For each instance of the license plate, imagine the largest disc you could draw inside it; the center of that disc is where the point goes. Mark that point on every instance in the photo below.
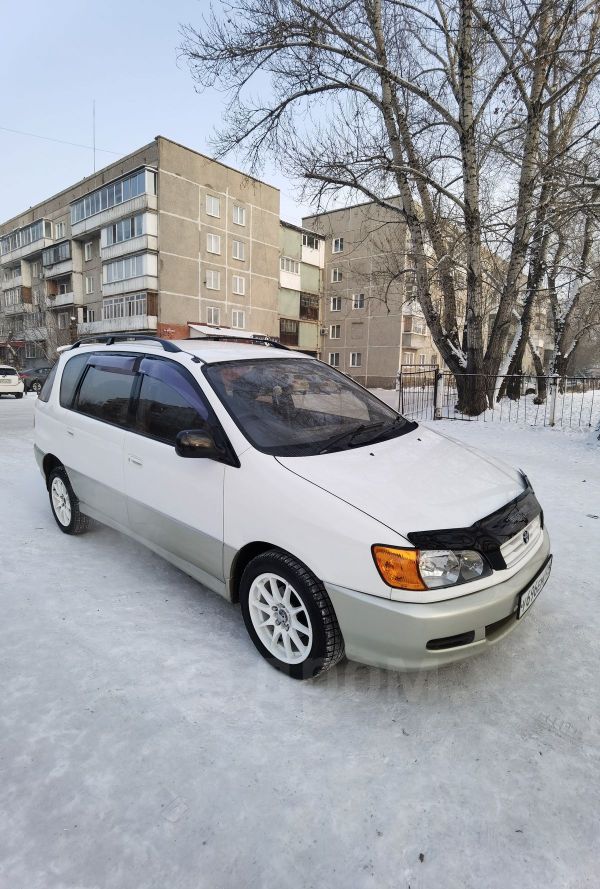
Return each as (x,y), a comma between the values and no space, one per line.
(528,596)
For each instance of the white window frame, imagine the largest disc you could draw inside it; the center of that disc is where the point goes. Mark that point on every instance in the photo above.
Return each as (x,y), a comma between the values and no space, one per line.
(337,245)
(335,304)
(334,359)
(238,250)
(239,215)
(89,284)
(336,275)
(213,243)
(238,319)
(212,276)
(358,301)
(88,250)
(287,264)
(213,206)
(213,315)
(355,359)
(332,334)
(238,285)
(59,230)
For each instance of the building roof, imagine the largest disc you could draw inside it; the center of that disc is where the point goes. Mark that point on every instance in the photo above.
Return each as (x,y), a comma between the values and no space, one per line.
(303,231)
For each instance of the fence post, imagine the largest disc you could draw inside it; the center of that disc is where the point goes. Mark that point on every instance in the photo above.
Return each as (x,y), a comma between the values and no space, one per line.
(437,394)
(553,391)
(399,388)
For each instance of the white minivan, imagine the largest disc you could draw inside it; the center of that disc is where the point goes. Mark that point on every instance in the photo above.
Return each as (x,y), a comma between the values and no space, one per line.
(338,525)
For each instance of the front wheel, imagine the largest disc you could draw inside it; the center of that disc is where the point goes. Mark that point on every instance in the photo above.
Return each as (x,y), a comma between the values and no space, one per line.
(64,503)
(36,386)
(289,616)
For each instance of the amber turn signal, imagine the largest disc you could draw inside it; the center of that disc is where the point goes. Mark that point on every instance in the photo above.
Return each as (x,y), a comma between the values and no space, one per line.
(399,568)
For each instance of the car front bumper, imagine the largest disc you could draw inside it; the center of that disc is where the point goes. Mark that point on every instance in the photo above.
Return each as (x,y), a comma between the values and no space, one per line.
(394,635)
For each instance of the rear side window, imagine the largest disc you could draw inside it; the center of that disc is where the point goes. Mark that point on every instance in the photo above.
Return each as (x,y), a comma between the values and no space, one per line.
(71,375)
(105,391)
(169,402)
(47,387)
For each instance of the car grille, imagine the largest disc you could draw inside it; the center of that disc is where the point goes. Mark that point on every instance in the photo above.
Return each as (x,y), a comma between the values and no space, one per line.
(522,543)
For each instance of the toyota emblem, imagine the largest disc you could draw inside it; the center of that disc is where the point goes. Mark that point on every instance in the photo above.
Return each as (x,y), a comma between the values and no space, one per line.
(525,536)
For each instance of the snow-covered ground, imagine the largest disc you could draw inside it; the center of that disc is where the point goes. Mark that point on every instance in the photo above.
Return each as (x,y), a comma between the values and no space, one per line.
(144,743)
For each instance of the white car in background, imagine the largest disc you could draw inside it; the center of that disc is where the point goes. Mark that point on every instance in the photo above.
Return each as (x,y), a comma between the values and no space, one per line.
(337,524)
(10,382)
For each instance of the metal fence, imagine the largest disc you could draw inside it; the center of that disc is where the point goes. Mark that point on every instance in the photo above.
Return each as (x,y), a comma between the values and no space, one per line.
(426,393)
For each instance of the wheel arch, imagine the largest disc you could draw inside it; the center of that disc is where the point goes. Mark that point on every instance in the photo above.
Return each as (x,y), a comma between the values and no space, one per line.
(49,463)
(245,555)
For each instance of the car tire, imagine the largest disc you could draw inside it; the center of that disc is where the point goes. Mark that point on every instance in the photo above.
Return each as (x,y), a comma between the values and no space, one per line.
(64,504)
(289,616)
(18,395)
(36,386)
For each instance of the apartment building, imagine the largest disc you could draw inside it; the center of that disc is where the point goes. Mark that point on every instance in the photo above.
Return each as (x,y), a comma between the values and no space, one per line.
(371,319)
(161,238)
(300,287)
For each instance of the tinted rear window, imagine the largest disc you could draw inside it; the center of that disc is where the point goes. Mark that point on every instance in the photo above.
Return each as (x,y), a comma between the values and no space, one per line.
(105,391)
(47,387)
(8,372)
(71,375)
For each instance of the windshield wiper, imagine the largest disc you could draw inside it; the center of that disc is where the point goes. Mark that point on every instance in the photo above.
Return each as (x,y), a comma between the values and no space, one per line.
(401,423)
(349,435)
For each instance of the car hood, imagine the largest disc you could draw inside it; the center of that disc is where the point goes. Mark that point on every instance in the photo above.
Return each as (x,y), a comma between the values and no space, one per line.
(419,481)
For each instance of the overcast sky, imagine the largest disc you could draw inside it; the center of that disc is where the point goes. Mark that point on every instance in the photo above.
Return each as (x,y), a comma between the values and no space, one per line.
(58,57)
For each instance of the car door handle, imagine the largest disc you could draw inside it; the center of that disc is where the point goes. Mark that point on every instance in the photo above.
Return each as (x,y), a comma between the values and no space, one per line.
(135,460)
(70,432)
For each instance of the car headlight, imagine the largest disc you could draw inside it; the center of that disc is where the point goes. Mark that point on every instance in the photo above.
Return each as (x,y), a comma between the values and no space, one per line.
(413,569)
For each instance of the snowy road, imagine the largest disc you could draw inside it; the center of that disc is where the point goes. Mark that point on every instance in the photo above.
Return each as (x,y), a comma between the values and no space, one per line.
(145,745)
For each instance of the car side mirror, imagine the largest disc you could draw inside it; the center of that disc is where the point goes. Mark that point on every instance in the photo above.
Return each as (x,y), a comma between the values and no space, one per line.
(197,443)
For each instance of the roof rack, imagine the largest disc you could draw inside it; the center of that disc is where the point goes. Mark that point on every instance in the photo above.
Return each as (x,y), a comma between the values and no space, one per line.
(110,338)
(229,335)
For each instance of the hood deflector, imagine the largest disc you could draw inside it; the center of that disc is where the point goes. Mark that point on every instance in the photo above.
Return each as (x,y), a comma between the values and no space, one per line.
(488,534)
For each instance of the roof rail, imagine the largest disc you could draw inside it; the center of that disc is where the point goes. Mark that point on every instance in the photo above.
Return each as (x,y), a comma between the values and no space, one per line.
(253,340)
(110,338)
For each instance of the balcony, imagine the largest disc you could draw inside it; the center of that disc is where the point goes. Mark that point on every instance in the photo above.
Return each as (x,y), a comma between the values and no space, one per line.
(17,281)
(143,243)
(119,325)
(59,300)
(112,214)
(59,269)
(414,340)
(41,231)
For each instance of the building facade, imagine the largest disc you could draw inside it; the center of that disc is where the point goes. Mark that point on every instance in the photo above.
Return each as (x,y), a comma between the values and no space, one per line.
(163,237)
(300,288)
(371,321)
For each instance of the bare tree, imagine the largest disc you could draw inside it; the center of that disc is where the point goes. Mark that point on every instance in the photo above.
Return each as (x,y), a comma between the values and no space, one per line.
(444,103)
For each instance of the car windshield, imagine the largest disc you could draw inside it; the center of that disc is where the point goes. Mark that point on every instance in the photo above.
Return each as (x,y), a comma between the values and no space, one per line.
(299,406)
(8,372)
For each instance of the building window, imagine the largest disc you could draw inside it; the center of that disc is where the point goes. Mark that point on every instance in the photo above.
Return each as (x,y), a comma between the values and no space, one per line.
(239,215)
(213,315)
(29,350)
(35,269)
(88,250)
(288,331)
(238,285)
(290,265)
(421,359)
(89,284)
(355,359)
(124,269)
(213,243)
(123,306)
(60,253)
(334,359)
(337,245)
(62,320)
(309,307)
(213,279)
(408,358)
(335,332)
(336,303)
(213,206)
(358,301)
(238,319)
(310,241)
(59,230)
(89,315)
(22,237)
(12,297)
(125,230)
(238,250)
(336,276)
(112,195)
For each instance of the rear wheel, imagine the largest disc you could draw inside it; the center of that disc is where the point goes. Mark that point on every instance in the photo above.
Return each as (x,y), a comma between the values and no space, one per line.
(64,503)
(36,386)
(289,616)
(18,395)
